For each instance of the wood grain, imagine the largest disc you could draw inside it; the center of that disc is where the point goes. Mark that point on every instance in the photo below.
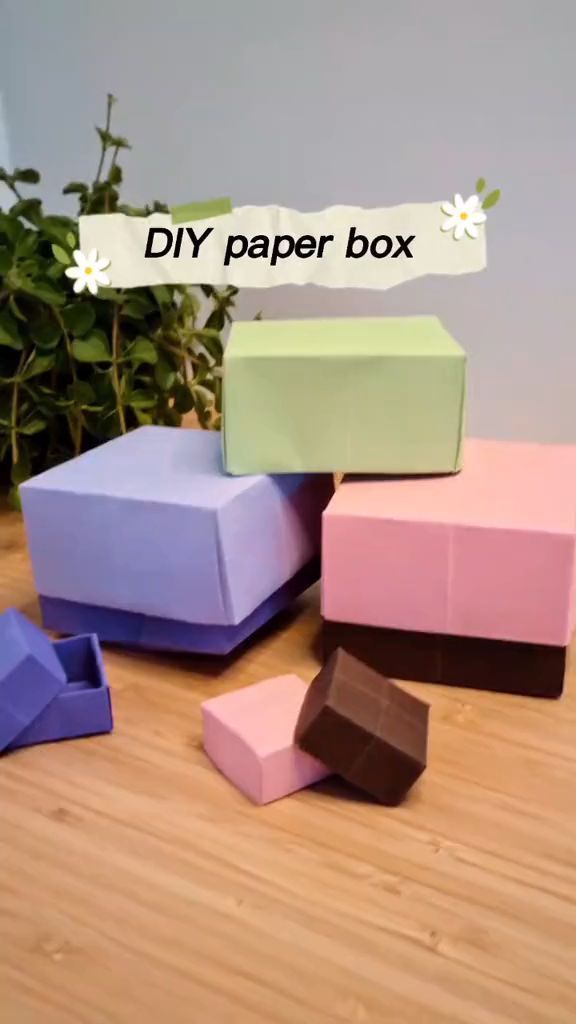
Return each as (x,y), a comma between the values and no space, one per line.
(138,886)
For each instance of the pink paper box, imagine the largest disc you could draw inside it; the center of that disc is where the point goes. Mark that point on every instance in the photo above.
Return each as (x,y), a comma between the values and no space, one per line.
(249,735)
(487,553)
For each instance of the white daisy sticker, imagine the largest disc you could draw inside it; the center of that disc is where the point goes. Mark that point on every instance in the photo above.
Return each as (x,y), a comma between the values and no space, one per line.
(88,272)
(463,216)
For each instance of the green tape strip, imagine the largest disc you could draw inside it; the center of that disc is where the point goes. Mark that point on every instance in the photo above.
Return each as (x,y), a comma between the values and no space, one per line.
(201,211)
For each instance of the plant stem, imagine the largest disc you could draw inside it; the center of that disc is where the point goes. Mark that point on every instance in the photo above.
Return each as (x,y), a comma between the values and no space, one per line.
(115,374)
(184,362)
(178,352)
(14,413)
(109,183)
(110,101)
(113,161)
(75,432)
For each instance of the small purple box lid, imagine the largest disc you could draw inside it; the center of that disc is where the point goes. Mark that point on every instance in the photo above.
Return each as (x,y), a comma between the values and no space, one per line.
(31,674)
(83,707)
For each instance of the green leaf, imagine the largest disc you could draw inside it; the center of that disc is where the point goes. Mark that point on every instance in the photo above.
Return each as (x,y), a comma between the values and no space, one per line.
(105,136)
(119,142)
(142,399)
(144,418)
(27,175)
(27,268)
(28,209)
(56,272)
(132,211)
(202,394)
(162,294)
(143,350)
(10,227)
(5,260)
(46,334)
(491,199)
(61,255)
(39,364)
(9,332)
(57,228)
(164,375)
(211,341)
(92,349)
(46,400)
(35,426)
(82,393)
(75,188)
(190,304)
(110,295)
(42,290)
(202,403)
(103,388)
(480,185)
(15,311)
(71,240)
(215,321)
(79,318)
(7,342)
(26,245)
(115,175)
(207,332)
(137,306)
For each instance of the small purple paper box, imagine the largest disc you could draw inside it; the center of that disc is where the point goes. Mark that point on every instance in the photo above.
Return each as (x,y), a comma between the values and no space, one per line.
(83,707)
(147,541)
(31,674)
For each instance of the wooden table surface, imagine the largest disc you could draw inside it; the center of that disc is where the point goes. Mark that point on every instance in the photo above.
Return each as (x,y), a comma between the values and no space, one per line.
(138,887)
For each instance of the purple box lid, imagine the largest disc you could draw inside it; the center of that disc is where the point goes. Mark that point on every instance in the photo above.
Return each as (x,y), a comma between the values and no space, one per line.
(151,523)
(31,674)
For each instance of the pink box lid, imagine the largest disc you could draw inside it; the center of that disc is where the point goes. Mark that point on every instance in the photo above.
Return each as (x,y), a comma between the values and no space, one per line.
(489,552)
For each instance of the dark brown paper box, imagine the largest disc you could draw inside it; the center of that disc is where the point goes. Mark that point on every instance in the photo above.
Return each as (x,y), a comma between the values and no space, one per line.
(534,670)
(364,728)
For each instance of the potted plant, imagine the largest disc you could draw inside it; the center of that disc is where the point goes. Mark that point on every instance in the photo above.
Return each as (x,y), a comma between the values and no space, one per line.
(78,369)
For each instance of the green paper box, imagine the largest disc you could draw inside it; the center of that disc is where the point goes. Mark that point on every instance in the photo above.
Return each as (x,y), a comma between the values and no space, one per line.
(366,395)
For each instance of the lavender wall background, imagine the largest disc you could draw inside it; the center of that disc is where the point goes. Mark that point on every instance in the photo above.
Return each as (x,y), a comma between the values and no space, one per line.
(313,102)
(5,154)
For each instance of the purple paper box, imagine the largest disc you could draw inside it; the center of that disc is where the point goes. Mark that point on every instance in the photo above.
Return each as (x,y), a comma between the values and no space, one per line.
(147,541)
(83,707)
(31,674)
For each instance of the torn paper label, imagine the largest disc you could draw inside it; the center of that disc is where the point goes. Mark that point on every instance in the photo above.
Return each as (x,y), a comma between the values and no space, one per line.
(264,246)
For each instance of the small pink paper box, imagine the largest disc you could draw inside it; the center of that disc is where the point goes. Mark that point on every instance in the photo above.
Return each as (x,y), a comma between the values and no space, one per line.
(249,735)
(487,553)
